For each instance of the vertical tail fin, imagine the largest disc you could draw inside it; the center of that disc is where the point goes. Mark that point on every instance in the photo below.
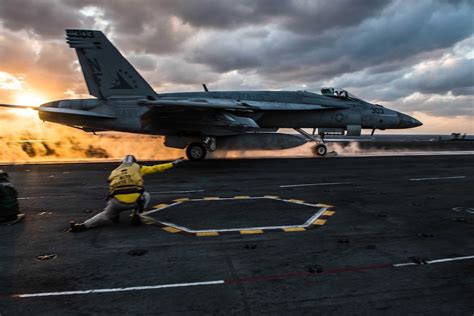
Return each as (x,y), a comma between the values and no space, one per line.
(106,71)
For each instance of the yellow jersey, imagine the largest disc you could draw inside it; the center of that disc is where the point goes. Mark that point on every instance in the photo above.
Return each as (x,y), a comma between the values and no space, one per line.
(126,181)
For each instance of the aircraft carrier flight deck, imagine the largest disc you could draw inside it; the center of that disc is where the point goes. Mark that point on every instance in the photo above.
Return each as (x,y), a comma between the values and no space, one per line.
(335,235)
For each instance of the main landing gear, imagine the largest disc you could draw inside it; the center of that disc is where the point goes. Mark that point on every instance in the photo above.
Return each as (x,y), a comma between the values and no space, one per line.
(320,149)
(198,150)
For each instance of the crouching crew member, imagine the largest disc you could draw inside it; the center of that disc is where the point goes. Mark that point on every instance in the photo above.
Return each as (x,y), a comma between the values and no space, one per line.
(126,192)
(9,207)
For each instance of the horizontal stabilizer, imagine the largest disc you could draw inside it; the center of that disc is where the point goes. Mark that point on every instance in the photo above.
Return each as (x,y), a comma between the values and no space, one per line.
(18,106)
(47,109)
(75,112)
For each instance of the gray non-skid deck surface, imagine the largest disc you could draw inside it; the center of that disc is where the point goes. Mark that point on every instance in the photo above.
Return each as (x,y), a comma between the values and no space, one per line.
(343,267)
(236,214)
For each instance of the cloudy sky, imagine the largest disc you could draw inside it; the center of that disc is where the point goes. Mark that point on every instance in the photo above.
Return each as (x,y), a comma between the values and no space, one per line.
(413,56)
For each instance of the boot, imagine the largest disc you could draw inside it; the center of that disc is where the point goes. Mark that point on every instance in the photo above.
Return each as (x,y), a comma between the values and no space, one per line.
(136,220)
(75,228)
(8,218)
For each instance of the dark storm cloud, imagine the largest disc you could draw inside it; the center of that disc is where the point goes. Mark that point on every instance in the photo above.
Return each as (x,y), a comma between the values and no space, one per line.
(400,35)
(16,53)
(436,106)
(147,24)
(453,75)
(45,18)
(456,77)
(298,16)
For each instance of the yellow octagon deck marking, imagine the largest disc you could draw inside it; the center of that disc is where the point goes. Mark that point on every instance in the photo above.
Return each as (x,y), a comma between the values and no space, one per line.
(271,196)
(294,229)
(319,222)
(251,231)
(203,234)
(323,205)
(295,201)
(171,229)
(244,231)
(148,221)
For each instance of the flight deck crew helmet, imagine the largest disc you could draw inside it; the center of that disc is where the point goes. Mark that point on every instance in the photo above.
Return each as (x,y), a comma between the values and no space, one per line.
(129,159)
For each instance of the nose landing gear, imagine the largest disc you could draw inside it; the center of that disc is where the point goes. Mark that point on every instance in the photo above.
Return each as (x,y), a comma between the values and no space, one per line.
(320,149)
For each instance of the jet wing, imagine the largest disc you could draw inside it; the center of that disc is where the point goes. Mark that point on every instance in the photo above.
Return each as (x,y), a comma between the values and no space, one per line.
(233,105)
(47,109)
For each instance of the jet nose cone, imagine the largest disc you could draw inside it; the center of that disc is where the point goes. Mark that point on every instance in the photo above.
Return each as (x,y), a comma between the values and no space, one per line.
(406,121)
(416,122)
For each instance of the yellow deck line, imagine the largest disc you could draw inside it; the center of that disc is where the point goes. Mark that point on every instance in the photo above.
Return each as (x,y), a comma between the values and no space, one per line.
(160,205)
(170,229)
(295,201)
(148,221)
(251,231)
(181,200)
(210,198)
(329,213)
(203,234)
(271,196)
(294,229)
(319,222)
(241,197)
(323,205)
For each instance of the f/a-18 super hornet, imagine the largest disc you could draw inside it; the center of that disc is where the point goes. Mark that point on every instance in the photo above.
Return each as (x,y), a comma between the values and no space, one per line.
(197,121)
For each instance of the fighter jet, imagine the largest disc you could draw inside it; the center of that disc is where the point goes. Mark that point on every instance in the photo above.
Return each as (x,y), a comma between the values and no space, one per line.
(197,121)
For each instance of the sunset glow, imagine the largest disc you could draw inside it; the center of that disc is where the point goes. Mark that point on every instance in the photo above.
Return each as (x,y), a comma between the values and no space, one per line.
(30,98)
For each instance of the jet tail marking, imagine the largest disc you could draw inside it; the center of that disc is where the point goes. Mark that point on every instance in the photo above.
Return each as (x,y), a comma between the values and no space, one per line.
(106,72)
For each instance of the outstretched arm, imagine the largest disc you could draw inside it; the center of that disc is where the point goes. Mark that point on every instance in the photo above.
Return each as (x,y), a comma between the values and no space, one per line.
(144,170)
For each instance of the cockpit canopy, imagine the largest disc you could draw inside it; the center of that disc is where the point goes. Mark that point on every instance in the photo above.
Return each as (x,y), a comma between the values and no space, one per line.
(342,94)
(336,92)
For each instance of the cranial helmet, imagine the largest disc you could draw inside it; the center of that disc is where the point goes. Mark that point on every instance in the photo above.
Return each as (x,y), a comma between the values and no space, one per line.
(129,159)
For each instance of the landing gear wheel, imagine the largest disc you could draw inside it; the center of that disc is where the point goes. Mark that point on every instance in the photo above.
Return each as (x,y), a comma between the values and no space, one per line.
(320,150)
(196,151)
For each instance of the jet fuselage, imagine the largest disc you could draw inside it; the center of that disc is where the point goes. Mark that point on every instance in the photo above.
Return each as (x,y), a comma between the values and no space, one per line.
(128,113)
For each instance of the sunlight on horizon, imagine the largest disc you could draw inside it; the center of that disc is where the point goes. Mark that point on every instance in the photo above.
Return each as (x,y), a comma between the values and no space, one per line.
(30,99)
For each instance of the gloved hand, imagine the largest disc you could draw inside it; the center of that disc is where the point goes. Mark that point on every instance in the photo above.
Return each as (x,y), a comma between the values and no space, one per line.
(178,161)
